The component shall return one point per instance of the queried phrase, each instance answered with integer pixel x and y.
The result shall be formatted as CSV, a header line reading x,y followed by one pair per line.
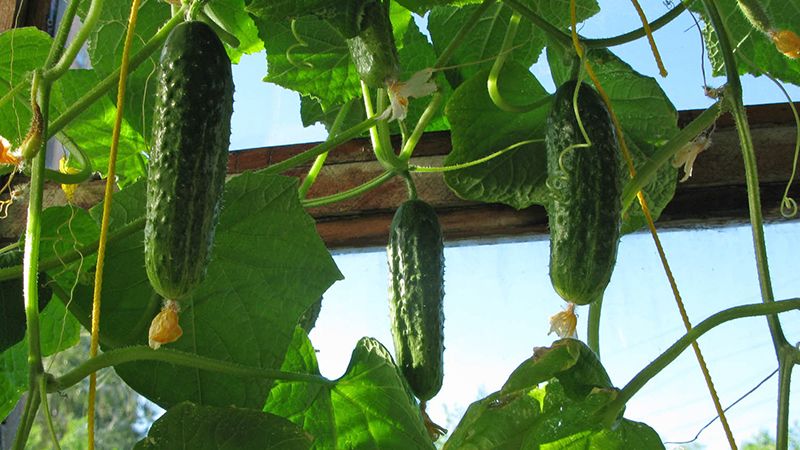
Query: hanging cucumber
x,y
416,267
586,185
188,158
373,49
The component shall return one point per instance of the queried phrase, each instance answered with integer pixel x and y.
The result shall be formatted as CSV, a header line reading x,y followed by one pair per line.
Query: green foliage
x,y
550,401
516,178
369,407
187,425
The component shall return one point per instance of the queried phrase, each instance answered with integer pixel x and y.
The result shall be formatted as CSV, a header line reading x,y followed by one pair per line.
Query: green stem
x,y
424,169
494,73
647,172
562,38
733,99
639,33
55,72
8,273
384,154
47,414
350,193
111,81
26,423
313,173
467,28
426,117
350,133
784,392
593,325
675,350
143,353
80,157
410,186
60,40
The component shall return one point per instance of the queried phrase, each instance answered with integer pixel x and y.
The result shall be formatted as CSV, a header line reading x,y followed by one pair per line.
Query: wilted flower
x,y
686,156
165,327
787,42
564,323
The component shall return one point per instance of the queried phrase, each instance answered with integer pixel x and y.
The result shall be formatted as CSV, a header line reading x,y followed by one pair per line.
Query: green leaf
x,y
222,428
21,50
105,52
321,68
232,16
370,407
268,266
59,331
344,15
755,52
551,401
516,178
92,131
647,116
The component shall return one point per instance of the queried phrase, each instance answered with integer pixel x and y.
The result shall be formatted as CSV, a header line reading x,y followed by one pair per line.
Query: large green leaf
x,y
198,427
647,116
59,331
321,68
755,52
484,43
344,15
105,51
516,178
21,50
268,266
551,401
370,407
92,130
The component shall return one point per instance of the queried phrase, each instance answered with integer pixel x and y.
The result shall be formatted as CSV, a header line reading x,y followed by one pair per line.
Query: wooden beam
x,y
26,13
714,196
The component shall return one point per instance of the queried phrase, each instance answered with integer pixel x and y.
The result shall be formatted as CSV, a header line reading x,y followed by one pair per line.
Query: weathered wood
x,y
714,196
25,13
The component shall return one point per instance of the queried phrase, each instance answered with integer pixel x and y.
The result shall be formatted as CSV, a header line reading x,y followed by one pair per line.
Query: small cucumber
x,y
416,266
373,50
188,158
586,185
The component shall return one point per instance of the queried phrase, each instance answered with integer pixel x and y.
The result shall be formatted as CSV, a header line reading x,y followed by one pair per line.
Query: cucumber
x,y
373,50
416,267
585,190
188,158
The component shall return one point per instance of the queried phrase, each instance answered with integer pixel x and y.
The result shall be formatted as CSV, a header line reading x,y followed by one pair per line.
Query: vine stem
x,y
593,325
313,172
419,129
646,173
350,193
670,354
41,92
144,353
60,68
107,200
785,353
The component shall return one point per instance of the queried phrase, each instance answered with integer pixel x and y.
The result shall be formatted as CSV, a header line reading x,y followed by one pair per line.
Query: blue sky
x,y
499,298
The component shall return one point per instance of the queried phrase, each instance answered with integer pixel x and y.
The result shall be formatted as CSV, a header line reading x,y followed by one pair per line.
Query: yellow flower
x,y
69,189
6,156
564,323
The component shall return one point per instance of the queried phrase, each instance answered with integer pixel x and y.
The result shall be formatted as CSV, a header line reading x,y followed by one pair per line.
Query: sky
x,y
497,310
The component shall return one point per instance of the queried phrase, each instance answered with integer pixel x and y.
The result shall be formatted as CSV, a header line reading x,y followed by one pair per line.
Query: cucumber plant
x,y
242,257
